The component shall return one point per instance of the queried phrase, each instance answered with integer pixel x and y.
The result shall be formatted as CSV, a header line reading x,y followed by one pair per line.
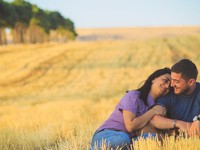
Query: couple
x,y
168,99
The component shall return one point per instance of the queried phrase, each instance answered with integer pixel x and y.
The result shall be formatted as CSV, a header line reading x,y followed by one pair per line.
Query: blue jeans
x,y
110,139
145,136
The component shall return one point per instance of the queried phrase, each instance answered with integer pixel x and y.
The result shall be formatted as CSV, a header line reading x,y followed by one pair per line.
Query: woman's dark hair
x,y
146,87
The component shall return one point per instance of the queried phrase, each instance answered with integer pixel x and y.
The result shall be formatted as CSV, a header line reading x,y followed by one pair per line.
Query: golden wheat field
x,y
54,96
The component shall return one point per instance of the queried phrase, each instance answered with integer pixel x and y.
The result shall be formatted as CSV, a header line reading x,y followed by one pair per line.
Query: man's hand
x,y
183,126
194,129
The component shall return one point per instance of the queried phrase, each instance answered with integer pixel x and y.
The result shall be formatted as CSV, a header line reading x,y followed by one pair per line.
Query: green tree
x,y
22,17
6,19
62,26
31,24
36,34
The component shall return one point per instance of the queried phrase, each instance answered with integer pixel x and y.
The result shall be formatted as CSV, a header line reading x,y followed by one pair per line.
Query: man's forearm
x,y
161,122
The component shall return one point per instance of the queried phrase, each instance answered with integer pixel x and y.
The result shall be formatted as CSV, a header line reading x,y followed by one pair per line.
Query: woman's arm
x,y
134,123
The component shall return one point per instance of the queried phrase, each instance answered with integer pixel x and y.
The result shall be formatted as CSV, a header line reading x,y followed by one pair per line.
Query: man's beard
x,y
184,92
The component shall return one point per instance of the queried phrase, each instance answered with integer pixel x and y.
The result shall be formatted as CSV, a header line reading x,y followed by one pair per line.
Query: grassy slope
x,y
95,69
42,80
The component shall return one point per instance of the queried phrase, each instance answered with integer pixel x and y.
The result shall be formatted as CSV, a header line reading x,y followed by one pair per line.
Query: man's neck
x,y
191,89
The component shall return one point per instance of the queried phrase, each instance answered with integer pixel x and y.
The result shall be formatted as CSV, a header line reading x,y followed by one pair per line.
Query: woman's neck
x,y
153,95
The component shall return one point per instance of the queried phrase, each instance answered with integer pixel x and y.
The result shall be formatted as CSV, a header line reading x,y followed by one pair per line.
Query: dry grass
x,y
137,33
54,96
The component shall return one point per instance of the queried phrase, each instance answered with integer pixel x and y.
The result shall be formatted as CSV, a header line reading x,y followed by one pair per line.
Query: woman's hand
x,y
159,110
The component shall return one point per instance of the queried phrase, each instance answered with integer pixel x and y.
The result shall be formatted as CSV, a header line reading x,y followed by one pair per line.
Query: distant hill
x,y
91,34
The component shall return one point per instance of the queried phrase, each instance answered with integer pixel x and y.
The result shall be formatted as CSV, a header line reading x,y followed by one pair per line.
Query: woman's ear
x,y
153,80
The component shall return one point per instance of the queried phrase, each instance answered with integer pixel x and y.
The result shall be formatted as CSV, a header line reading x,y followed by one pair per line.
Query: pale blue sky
x,y
125,13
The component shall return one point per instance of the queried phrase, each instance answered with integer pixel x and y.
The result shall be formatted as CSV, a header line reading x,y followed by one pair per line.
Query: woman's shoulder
x,y
134,93
130,98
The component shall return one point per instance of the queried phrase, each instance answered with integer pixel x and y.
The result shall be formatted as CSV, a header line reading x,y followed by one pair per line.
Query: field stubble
x,y
54,96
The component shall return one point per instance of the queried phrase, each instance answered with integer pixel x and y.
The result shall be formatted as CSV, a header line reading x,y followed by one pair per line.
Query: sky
x,y
125,13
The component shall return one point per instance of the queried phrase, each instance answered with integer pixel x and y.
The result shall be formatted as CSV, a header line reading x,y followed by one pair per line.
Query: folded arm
x,y
133,123
161,122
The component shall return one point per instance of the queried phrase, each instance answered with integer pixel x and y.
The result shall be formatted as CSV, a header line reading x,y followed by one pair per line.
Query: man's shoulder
x,y
166,97
198,85
197,90
164,100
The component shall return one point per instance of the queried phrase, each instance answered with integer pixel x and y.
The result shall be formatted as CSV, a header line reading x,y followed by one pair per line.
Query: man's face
x,y
179,84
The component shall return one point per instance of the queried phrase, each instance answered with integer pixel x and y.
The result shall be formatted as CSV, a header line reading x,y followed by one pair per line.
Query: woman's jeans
x,y
110,139
115,139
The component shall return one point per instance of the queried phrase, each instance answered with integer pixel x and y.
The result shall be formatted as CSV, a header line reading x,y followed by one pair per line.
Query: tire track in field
x,y
49,73
69,66
41,70
36,73
176,54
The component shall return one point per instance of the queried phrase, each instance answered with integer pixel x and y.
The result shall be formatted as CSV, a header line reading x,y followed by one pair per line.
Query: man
x,y
183,103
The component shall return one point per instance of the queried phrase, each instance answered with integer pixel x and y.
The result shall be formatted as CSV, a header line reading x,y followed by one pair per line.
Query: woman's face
x,y
161,84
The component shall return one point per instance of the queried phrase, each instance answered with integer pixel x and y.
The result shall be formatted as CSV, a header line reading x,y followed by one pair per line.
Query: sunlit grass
x,y
54,96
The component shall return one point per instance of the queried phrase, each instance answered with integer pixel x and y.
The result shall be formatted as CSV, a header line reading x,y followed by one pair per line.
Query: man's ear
x,y
192,81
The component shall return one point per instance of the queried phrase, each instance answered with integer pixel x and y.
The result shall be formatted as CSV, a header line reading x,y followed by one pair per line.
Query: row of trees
x,y
30,24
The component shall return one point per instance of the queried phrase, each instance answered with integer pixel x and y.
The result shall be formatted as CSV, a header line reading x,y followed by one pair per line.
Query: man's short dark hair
x,y
187,69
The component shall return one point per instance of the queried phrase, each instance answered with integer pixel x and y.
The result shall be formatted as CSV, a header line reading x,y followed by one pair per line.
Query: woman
x,y
133,112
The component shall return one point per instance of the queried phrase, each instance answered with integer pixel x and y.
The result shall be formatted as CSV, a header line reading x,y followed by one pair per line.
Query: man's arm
x,y
161,122
195,128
